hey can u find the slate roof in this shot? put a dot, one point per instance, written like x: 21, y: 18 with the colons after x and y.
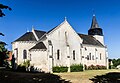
x: 56, y: 26
x: 40, y: 45
x: 90, y: 40
x: 51, y: 30
x: 94, y: 23
x: 39, y: 33
x: 28, y: 36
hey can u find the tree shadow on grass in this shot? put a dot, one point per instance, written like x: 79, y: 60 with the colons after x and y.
x: 112, y: 77
x: 27, y: 77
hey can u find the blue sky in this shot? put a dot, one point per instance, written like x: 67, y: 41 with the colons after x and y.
x: 46, y: 14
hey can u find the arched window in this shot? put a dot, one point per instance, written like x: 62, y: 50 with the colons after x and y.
x: 58, y: 54
x: 100, y: 56
x: 30, y: 57
x: 90, y: 56
x: 24, y: 54
x: 73, y: 54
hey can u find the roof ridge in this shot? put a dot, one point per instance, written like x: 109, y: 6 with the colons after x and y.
x: 90, y: 40
x: 40, y: 30
x: 28, y: 36
x: 39, y: 45
x: 57, y: 26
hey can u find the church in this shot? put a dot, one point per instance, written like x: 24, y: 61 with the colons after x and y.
x: 61, y: 46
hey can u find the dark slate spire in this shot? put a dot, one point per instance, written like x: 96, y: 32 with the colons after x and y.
x: 94, y: 23
x: 95, y: 29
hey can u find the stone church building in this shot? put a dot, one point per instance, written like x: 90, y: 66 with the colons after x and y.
x: 61, y: 46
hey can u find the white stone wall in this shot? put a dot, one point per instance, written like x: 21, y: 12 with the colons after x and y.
x: 39, y: 60
x: 64, y: 36
x: 22, y: 45
x: 99, y: 54
x: 99, y: 38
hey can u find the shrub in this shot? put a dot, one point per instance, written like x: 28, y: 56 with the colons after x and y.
x: 76, y: 67
x: 21, y: 68
x: 97, y: 67
x: 85, y: 67
x: 60, y: 69
x: 26, y: 63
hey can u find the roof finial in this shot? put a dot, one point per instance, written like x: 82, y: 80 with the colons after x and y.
x: 27, y: 30
x: 93, y: 12
x: 65, y: 18
x: 32, y: 28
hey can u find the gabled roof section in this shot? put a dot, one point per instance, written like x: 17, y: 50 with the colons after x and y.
x: 53, y: 29
x: 94, y: 23
x: 39, y: 45
x: 90, y: 40
x: 28, y: 36
x: 39, y: 33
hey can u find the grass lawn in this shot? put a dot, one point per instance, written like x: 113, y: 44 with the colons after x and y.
x: 7, y: 76
x: 83, y: 77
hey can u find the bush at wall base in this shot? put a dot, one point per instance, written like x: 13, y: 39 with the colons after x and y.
x: 58, y: 69
x: 76, y: 67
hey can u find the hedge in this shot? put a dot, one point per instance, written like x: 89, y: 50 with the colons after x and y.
x: 97, y: 67
x: 76, y: 68
x: 60, y: 69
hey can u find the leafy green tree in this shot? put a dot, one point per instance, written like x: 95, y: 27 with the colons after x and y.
x: 1, y: 9
x: 3, y: 53
x: 3, y: 50
x: 116, y: 62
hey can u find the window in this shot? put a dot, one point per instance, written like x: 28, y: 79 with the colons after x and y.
x: 73, y: 54
x: 30, y: 57
x: 87, y: 57
x: 85, y: 49
x: 24, y: 54
x: 49, y: 42
x: 90, y: 56
x: 58, y: 54
x: 100, y: 56
x: 81, y: 45
x: 16, y: 53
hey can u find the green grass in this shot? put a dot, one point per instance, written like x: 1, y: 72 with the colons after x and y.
x: 83, y: 77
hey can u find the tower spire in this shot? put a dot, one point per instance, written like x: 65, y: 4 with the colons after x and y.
x: 94, y: 23
x: 95, y: 29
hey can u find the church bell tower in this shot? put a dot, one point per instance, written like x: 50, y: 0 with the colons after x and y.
x: 96, y: 31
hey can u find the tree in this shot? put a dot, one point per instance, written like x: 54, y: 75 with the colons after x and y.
x: 116, y: 62
x: 1, y: 9
x: 3, y: 50
x: 3, y: 53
